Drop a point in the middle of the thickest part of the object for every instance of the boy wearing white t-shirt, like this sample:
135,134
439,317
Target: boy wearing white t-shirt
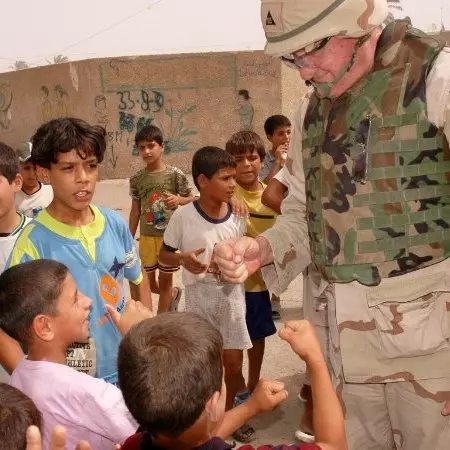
11,224
46,321
34,195
189,239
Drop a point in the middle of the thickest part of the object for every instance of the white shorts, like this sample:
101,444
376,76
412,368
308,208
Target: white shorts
223,304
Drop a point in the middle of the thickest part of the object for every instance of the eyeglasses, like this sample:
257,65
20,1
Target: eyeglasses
296,60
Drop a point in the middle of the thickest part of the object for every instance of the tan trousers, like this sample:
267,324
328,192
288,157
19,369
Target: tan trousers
396,416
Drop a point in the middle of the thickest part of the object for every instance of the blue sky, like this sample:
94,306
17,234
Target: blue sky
96,28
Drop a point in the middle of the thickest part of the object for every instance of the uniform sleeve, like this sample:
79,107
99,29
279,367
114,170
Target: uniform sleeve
108,415
283,176
132,270
134,193
24,249
438,92
182,184
289,238
173,232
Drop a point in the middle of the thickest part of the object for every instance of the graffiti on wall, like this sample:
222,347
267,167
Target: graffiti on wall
257,67
245,109
137,109
6,100
54,102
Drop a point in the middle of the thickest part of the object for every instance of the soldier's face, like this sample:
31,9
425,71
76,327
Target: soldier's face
333,63
324,65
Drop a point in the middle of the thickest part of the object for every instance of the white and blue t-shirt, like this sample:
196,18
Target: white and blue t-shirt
99,256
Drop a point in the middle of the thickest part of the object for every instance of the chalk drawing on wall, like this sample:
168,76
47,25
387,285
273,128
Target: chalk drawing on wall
101,111
6,100
56,107
142,107
245,110
61,101
178,135
46,104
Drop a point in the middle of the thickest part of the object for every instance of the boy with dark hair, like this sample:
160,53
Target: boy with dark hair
156,191
247,148
278,132
34,195
17,413
46,321
189,240
94,242
11,225
180,401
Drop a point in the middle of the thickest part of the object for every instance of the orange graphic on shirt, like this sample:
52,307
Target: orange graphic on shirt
109,289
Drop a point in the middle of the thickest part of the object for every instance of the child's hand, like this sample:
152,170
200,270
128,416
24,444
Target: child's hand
190,261
239,207
281,152
302,337
133,313
57,440
171,201
267,395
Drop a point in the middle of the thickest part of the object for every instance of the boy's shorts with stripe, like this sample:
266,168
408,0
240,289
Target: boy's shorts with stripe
259,315
149,247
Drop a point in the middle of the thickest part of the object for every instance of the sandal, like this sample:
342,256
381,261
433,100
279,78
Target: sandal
244,434
176,300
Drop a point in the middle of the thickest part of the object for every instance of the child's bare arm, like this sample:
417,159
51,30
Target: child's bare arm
267,395
10,352
135,214
327,416
273,195
188,260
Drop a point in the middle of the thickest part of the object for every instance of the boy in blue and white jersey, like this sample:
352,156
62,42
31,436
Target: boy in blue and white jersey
93,242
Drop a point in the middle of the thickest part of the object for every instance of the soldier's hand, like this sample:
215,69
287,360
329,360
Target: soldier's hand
57,440
133,313
302,337
237,258
267,395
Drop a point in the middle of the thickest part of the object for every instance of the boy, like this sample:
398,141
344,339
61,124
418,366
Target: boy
17,413
189,240
95,243
185,408
46,321
11,224
34,195
278,132
247,148
156,191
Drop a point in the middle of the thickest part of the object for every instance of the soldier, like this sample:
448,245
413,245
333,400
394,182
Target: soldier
368,213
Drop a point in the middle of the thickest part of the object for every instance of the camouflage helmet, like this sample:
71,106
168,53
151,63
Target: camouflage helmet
292,25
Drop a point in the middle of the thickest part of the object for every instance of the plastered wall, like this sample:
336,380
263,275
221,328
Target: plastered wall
194,99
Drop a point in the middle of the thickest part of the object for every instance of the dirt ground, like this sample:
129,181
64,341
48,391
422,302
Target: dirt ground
280,362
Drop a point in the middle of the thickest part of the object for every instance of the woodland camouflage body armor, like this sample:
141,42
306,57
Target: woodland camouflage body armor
377,170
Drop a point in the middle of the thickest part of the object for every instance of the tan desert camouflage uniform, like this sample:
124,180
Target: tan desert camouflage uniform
377,278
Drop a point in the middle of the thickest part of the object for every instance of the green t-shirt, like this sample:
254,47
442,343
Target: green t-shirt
149,188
